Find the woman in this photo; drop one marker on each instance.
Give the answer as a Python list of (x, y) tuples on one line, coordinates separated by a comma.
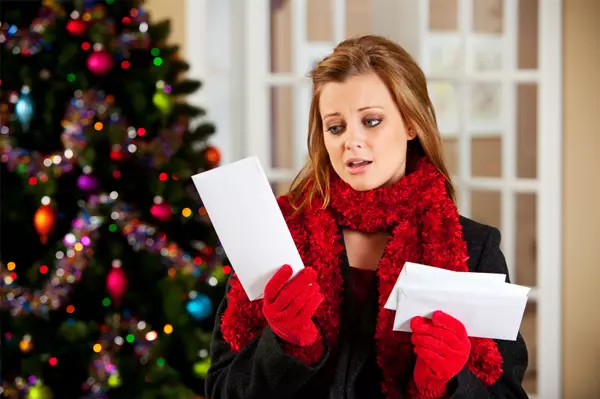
[(374, 194)]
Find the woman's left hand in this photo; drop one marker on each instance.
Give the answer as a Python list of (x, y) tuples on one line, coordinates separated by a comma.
[(442, 347)]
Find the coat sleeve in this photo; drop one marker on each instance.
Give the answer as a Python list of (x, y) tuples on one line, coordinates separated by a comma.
[(262, 369), (514, 353)]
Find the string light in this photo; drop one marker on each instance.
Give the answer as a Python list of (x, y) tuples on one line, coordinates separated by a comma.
[(151, 335), (25, 345)]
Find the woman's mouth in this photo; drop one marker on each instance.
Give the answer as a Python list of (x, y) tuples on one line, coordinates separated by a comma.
[(357, 166)]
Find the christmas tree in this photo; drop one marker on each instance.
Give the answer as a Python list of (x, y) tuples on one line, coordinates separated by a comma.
[(110, 268)]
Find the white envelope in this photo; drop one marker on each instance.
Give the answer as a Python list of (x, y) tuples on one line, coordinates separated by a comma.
[(415, 273), (245, 214), (495, 314)]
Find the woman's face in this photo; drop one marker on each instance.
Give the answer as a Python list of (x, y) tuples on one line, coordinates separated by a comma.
[(364, 133)]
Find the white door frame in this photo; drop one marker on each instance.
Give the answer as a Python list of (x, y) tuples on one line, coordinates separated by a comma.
[(550, 164), (548, 185)]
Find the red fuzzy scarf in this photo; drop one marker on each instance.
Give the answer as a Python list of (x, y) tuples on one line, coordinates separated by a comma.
[(425, 229)]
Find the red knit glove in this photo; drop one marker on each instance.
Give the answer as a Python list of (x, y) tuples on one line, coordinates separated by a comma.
[(289, 306), (442, 348)]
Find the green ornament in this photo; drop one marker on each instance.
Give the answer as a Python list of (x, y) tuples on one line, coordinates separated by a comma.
[(22, 168), (114, 381), (201, 367), (163, 102), (39, 391)]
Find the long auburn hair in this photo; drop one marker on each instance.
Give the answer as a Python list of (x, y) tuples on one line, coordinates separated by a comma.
[(407, 85)]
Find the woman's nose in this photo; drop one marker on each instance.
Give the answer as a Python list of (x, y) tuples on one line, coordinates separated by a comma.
[(354, 138)]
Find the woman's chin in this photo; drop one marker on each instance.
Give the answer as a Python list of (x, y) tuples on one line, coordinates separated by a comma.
[(361, 183)]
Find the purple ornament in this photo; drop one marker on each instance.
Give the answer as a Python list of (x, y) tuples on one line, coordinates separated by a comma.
[(87, 183), (100, 62)]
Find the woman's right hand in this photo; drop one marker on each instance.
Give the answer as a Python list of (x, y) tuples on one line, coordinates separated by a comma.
[(290, 306)]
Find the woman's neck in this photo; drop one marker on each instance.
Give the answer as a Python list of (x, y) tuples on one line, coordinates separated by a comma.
[(364, 250)]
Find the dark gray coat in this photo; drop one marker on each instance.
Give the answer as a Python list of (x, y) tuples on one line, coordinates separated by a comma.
[(263, 370)]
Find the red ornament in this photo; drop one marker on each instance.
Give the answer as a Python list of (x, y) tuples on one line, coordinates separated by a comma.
[(76, 27), (212, 156), (116, 284), (116, 155), (100, 62), (161, 211), (44, 220)]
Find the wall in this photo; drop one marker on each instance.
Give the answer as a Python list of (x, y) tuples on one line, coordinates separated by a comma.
[(581, 296), (173, 10)]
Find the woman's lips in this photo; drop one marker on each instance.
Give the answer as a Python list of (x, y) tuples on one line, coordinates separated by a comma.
[(359, 167)]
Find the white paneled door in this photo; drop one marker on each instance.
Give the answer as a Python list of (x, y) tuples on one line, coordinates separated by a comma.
[(494, 73), (494, 76)]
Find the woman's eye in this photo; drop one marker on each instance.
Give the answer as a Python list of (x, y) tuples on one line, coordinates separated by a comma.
[(372, 122), (335, 129)]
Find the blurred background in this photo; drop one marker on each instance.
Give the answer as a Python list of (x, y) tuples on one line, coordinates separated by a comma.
[(515, 88)]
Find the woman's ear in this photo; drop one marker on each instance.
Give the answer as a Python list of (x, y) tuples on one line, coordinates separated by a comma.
[(412, 133)]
